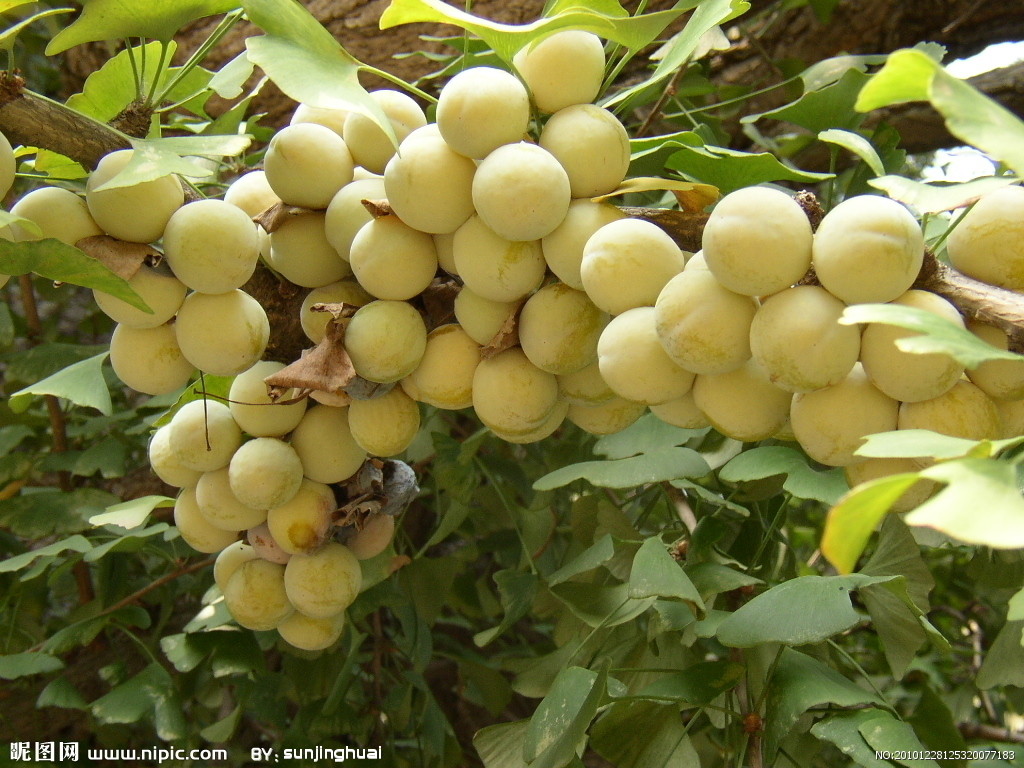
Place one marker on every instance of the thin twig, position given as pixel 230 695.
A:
pixel 659 105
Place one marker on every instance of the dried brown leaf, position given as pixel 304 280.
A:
pixel 122 258
pixel 377 208
pixel 439 301
pixel 506 337
pixel 279 214
pixel 324 368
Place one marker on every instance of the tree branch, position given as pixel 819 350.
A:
pixel 34 121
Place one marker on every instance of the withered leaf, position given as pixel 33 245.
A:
pixel 324 368
pixel 279 214
pixel 506 337
pixel 439 301
pixel 378 208
pixel 122 258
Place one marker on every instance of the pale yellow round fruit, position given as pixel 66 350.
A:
pixel 521 191
pixel 329 117
pixel 797 339
pixel 8 166
pixel 703 326
pixel 563 247
pixel 606 418
pixel 681 412
pixel 197 532
pixel 203 435
pixel 301 252
pixel 309 634
pixel 306 164
pixel 137 213
pixel 221 508
pixel 302 524
pixel 252 408
pixel 372 148
pixel 635 364
pixel 229 560
pixel 627 263
pixel 988 243
pixel 325 445
pixel 252 193
pixel 1011 412
pixel 494 267
pixel 265 473
pixel 482 108
pixel 59 213
pixel 428 184
pixel 348 291
pixel 591 144
pixel 559 328
pixel 211 246
pixel 386 340
pixel 906 376
pixel 391 260
pixel 999 379
pixel 165 464
pixel 445 246
pixel 149 360
pixel 158 288
pixel 963 411
pixel 542 432
pixel 743 403
pixel 757 241
pixel 831 423
pixel 373 538
pixel 224 333
pixel 444 377
pixel 386 425
pixel 324 583
pixel 562 69
pixel 265 546
pixel 868 248
pixel 511 395
pixel 255 595
pixel 585 386
pixel 482 318
pixel 346 214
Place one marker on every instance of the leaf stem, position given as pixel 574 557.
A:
pixel 130 51
pixel 164 51
pixel 201 52
pixel 398 81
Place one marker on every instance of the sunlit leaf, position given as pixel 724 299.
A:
pixel 117 19
pixel 935 334
pixel 10 35
pixel 851 522
pixel 970 115
pixel 634 32
pixel 698 196
pixel 936 197
pixel 706 16
pixel 856 144
pixel 980 504
pixel 306 62
pixel 81 383
pixel 132 513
